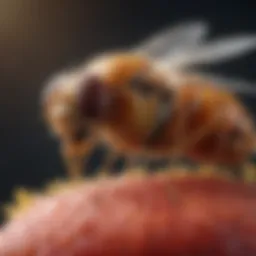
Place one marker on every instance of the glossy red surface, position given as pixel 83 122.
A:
pixel 139 216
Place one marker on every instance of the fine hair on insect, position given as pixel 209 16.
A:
pixel 152 102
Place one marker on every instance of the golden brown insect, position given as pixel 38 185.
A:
pixel 147 101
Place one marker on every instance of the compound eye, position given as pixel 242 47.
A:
pixel 92 97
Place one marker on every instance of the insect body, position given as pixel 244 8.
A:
pixel 147 101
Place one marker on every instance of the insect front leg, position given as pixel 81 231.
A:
pixel 75 155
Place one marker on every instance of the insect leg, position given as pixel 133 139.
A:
pixel 108 165
pixel 74 156
pixel 135 162
pixel 73 164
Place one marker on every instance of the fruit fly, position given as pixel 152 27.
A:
pixel 151 101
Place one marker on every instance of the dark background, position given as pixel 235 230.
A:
pixel 39 37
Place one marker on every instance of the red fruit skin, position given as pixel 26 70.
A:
pixel 139 216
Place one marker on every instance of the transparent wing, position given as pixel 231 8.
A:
pixel 235 85
pixel 173 39
pixel 210 53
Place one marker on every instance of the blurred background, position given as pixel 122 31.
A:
pixel 39 37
